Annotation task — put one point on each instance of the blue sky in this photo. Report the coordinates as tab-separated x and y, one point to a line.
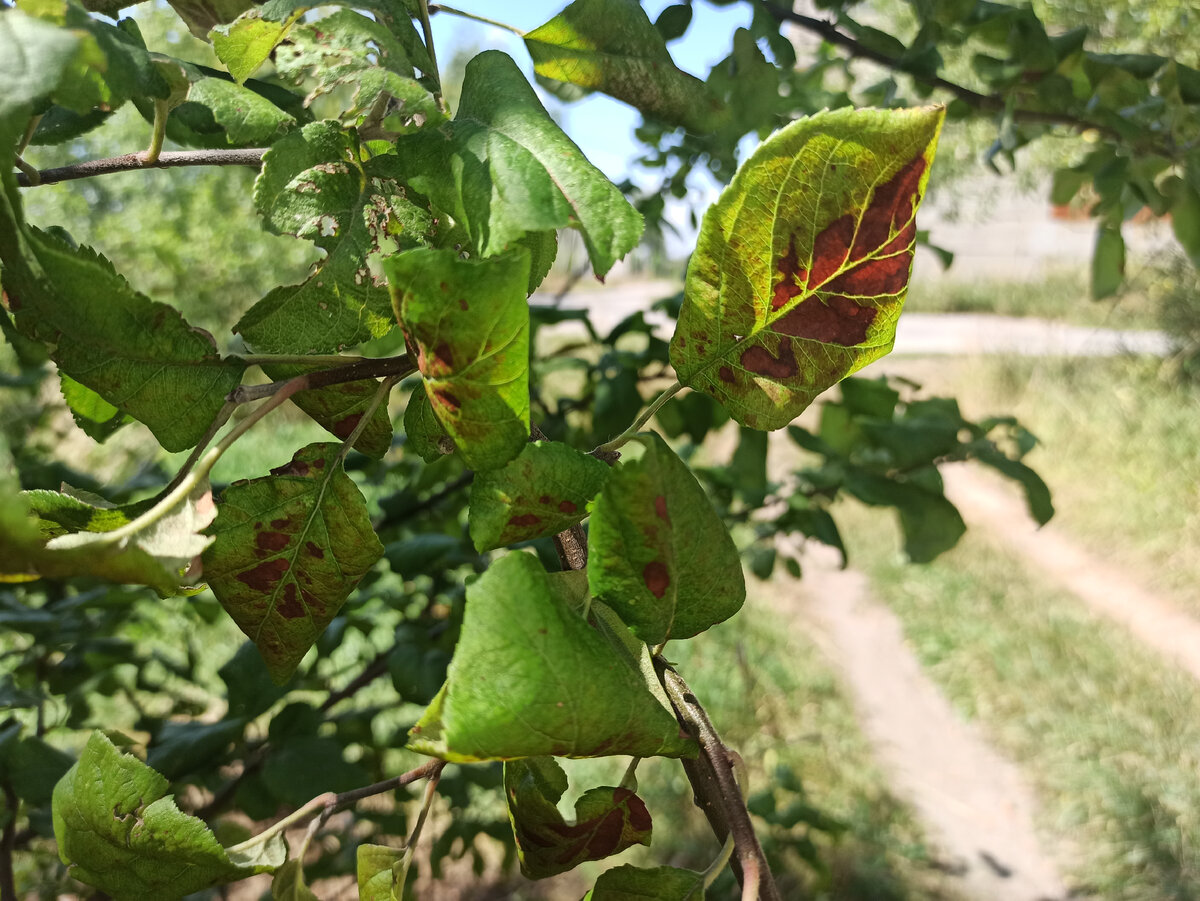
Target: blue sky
602	127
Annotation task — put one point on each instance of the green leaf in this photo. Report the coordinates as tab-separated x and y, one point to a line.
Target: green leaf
119	830
802	265
931	524
97	417
672	23
34	55
544	490
339	408
425	434
470	323
1108	262
349	50
32	767
289	885
382	872
626	883
314	186
611	46
140	356
659	555
247	118
1037	493
247	43
531	678
607	820
503	168
288	549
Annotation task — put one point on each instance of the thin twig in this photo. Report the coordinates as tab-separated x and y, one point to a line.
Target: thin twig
427	31
450	10
372	671
716	788
134	161
655	406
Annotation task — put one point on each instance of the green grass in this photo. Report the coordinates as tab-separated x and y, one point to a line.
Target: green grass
776	703
1119	453
1109	733
1061	295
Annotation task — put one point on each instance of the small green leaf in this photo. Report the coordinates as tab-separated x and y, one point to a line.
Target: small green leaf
543	491
931	524
246	43
421	427
248	119
504	168
626	883
802	266
118	830
470	323
314	186
289	885
531	678
1185	220
611	46
1037	493
288	549
382	872
1108	262
659	554
607	820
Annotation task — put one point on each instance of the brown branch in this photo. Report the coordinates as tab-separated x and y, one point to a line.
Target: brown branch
829	32
134	161
715	786
372	671
323	378
8	842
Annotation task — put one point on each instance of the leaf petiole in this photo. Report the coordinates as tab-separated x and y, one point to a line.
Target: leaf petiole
385	388
654	407
161	111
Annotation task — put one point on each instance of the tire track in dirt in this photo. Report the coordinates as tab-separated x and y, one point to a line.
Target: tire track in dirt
1105	588
976	807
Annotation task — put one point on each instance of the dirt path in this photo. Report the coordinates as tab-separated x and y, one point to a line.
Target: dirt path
975	806
1105	588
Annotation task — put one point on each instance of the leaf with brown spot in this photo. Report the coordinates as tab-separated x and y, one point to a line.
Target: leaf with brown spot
607	820
474	362
659	554
287	550
801	267
339	408
543	491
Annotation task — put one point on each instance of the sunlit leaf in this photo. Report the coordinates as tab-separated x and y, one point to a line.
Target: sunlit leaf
339	408
802	266
288	549
607	820
382	872
33	57
659	554
543	491
118	830
611	46
504	168
530	678
470	323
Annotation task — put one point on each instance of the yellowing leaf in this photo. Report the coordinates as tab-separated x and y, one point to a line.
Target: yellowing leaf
802	265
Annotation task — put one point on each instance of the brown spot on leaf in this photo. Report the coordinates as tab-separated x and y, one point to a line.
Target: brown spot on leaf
833	320
280	523
759	360
792	278
343	428
463	305
831	249
567	507
289	606
264	576
271	541
545	500
525	519
446	399
660	509
725	374
635	809
294	468
656	578
314	550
